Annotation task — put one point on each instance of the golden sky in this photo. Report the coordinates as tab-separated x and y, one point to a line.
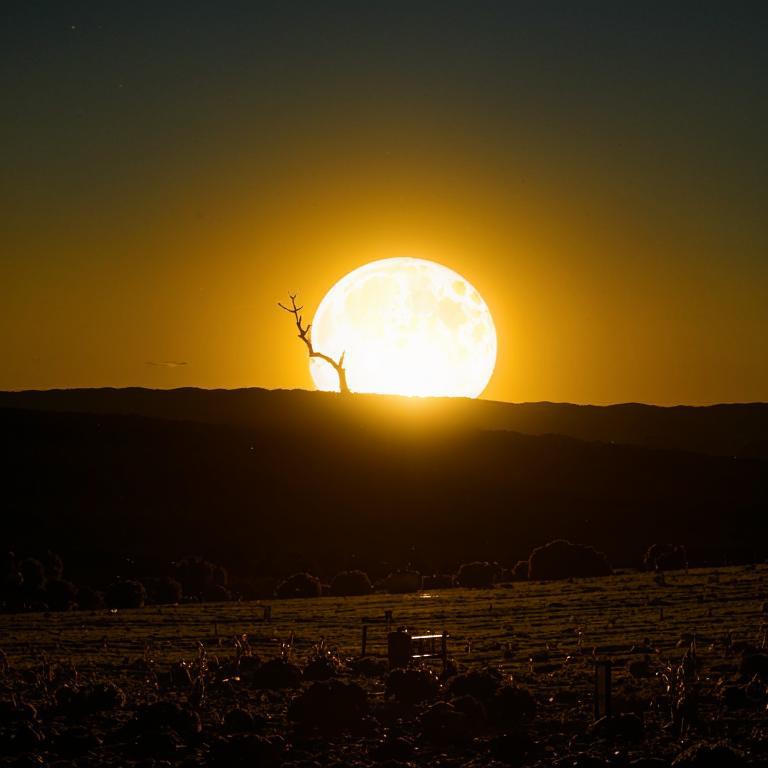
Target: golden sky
162	192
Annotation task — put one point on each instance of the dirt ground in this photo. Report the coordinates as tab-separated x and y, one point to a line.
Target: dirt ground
216	684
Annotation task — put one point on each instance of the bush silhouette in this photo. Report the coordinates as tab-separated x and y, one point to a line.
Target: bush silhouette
401	582
351	583
300	585
126	594
253	589
89	599
330	706
477	575
164	591
438	581
217	593
413	685
665	557
520	571
197	575
561	559
276	674
54	566
61	595
33	573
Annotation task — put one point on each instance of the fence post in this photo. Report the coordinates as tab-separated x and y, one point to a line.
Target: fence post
364	640
388	620
602	689
399	648
267	613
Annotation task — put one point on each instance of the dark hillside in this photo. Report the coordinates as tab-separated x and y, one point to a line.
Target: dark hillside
327	496
729	430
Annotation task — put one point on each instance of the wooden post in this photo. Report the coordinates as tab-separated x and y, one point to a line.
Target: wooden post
602	689
388	620
364	640
444	649
399	648
267	613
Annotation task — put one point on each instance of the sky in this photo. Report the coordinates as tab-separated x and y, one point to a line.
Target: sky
597	170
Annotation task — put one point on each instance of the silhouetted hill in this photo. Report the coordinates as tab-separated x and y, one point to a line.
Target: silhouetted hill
325	493
729	429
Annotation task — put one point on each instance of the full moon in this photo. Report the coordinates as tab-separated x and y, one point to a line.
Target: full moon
406	327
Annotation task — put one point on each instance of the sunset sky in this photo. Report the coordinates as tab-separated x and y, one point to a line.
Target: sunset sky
597	170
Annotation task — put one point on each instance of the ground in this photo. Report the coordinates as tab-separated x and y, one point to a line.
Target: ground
541	637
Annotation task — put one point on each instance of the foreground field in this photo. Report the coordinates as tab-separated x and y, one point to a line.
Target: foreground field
543	638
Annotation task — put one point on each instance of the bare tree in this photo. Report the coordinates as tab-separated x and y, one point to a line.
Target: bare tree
305	337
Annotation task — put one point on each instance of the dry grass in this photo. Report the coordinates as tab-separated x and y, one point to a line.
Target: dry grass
502	626
544	635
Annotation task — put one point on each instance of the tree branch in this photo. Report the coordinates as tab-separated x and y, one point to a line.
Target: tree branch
304	335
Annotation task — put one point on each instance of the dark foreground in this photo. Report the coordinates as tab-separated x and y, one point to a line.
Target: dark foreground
216	685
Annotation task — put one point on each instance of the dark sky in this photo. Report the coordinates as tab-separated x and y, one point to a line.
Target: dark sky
597	170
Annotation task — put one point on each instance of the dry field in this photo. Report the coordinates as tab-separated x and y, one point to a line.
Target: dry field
543	637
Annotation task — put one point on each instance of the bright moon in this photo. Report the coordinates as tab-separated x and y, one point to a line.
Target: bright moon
406	327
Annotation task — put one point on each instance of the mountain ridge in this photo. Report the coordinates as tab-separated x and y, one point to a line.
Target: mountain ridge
728	429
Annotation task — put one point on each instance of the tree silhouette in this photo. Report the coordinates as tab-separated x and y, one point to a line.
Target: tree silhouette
305	337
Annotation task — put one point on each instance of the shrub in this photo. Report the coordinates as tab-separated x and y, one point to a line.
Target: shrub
442	723
54	566
370	666
710	756
754	665
60	595
263	588
166	715
95	697
217	593
243	589
401	582
245	750
321	668
276	674
477	575
351	583
197	575
33	573
480	683
11	583
511	705
413	685
239	720
514	747
438	581
89	599
300	585
165	591
561	559
126	594
665	557
520	571
323	663
10	572
627	726
330	706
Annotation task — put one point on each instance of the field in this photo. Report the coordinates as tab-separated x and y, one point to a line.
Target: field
542	637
